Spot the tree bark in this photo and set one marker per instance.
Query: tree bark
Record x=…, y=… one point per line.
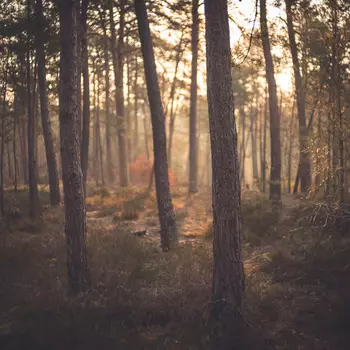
x=166, y=213
x=33, y=186
x=85, y=139
x=275, y=174
x=305, y=174
x=45, y=119
x=228, y=276
x=75, y=214
x=118, y=65
x=193, y=153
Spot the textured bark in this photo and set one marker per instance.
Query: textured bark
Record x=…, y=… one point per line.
x=165, y=208
x=75, y=214
x=305, y=174
x=275, y=175
x=228, y=276
x=85, y=139
x=193, y=153
x=45, y=119
x=118, y=66
x=33, y=186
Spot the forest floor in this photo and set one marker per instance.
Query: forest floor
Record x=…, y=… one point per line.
x=296, y=264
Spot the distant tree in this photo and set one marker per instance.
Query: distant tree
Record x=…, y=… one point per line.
x=33, y=185
x=165, y=207
x=45, y=119
x=74, y=202
x=304, y=162
x=228, y=275
x=193, y=162
x=118, y=66
x=275, y=176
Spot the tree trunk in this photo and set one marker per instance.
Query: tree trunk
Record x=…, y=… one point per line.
x=85, y=139
x=275, y=174
x=264, y=151
x=98, y=128
x=118, y=65
x=45, y=119
x=165, y=207
x=14, y=142
x=305, y=174
x=228, y=276
x=318, y=160
x=290, y=153
x=242, y=150
x=136, y=120
x=193, y=156
x=254, y=134
x=75, y=214
x=33, y=186
x=172, y=99
x=145, y=132
x=128, y=109
x=109, y=164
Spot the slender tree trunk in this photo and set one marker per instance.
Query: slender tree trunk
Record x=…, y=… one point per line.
x=118, y=65
x=172, y=100
x=45, y=119
x=291, y=145
x=128, y=109
x=242, y=159
x=73, y=186
x=136, y=120
x=305, y=174
x=98, y=129
x=33, y=186
x=193, y=154
x=264, y=164
x=145, y=132
x=275, y=175
x=14, y=143
x=228, y=276
x=106, y=49
x=254, y=134
x=165, y=207
x=95, y=162
x=85, y=139
x=318, y=160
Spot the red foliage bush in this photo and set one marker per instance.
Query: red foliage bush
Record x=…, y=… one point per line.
x=140, y=171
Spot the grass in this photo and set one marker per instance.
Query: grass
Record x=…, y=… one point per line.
x=297, y=284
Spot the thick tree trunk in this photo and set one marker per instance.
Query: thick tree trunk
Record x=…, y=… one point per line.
x=165, y=207
x=118, y=65
x=228, y=276
x=305, y=174
x=45, y=119
x=75, y=215
x=193, y=153
x=33, y=186
x=85, y=139
x=275, y=175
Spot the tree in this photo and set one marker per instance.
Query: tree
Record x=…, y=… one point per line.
x=228, y=275
x=118, y=66
x=45, y=119
x=74, y=202
x=85, y=139
x=165, y=207
x=275, y=176
x=305, y=175
x=193, y=101
x=33, y=185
